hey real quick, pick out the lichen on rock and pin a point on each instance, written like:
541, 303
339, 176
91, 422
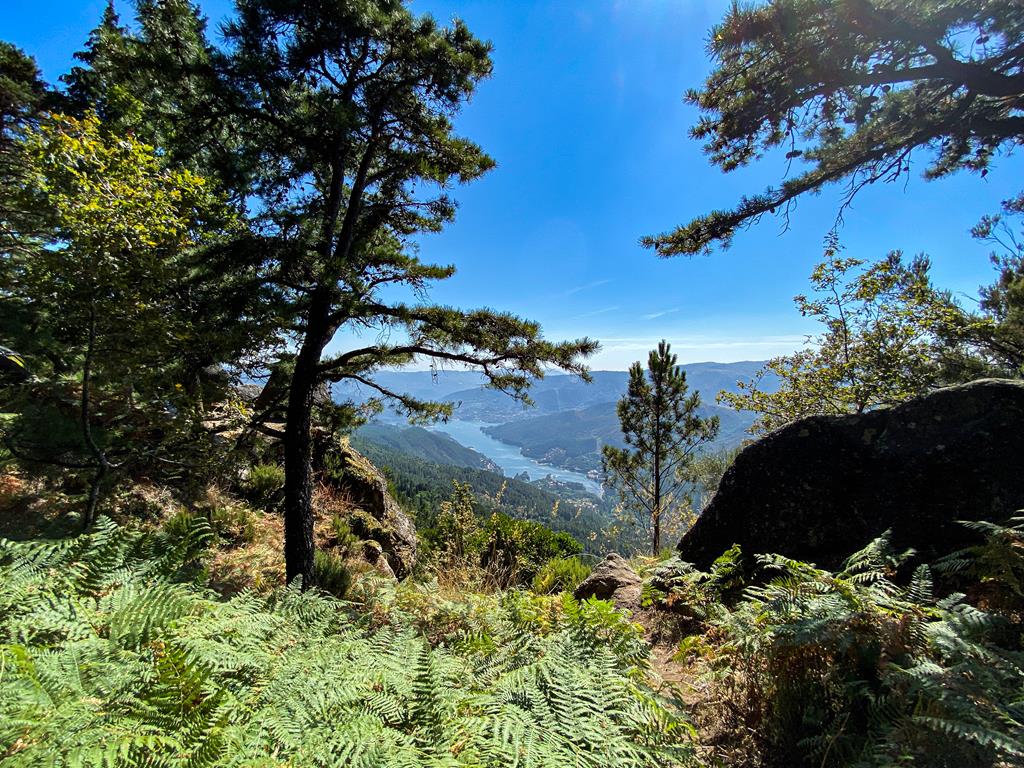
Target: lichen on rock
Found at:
376, 516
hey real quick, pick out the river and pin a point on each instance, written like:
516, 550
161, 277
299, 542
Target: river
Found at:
508, 457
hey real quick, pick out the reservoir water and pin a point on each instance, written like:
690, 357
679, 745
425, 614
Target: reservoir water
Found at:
508, 457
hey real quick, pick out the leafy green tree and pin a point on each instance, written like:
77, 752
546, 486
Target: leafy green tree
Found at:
153, 81
457, 526
849, 89
882, 326
344, 108
662, 431
990, 340
118, 221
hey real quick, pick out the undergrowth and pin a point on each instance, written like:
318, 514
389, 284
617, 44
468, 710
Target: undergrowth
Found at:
861, 667
112, 653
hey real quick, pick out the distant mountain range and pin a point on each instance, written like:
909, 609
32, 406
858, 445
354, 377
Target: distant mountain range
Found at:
573, 439
567, 425
554, 393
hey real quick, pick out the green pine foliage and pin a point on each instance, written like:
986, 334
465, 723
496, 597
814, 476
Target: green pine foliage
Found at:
846, 92
663, 433
111, 656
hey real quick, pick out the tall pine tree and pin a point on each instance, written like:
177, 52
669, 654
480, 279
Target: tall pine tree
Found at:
345, 109
662, 431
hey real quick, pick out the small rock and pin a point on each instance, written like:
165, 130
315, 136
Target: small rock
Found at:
374, 555
614, 580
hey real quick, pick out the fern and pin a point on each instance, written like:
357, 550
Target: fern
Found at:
852, 668
112, 654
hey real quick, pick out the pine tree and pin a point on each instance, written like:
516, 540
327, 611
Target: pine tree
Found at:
345, 109
151, 81
662, 431
23, 97
849, 90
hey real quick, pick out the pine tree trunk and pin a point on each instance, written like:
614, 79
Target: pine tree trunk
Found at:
656, 516
102, 464
298, 448
658, 450
298, 481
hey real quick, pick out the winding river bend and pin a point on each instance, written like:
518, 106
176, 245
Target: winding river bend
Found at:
508, 457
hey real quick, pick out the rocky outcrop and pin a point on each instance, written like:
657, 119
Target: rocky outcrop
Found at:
376, 516
822, 487
612, 579
373, 554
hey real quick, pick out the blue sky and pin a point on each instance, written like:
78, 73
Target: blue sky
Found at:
585, 117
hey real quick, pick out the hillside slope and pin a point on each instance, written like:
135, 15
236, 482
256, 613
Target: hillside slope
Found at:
428, 445
573, 439
421, 486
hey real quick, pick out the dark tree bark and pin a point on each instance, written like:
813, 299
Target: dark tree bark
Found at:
298, 447
102, 463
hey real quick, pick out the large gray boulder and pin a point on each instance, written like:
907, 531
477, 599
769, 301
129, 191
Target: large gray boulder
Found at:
822, 487
612, 579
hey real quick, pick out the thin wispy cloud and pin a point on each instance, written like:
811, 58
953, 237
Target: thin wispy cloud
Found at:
662, 313
586, 287
603, 311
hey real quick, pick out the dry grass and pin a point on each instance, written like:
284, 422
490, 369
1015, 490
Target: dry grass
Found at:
255, 561
34, 507
257, 565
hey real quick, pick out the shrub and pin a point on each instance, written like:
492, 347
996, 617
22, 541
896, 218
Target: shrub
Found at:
344, 540
560, 574
852, 668
499, 553
514, 550
331, 574
233, 522
693, 594
264, 484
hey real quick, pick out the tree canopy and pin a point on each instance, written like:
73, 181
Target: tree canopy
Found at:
119, 228
847, 90
342, 115
883, 325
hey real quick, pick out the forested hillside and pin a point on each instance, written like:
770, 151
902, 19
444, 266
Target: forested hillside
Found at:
423, 485
569, 420
423, 444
